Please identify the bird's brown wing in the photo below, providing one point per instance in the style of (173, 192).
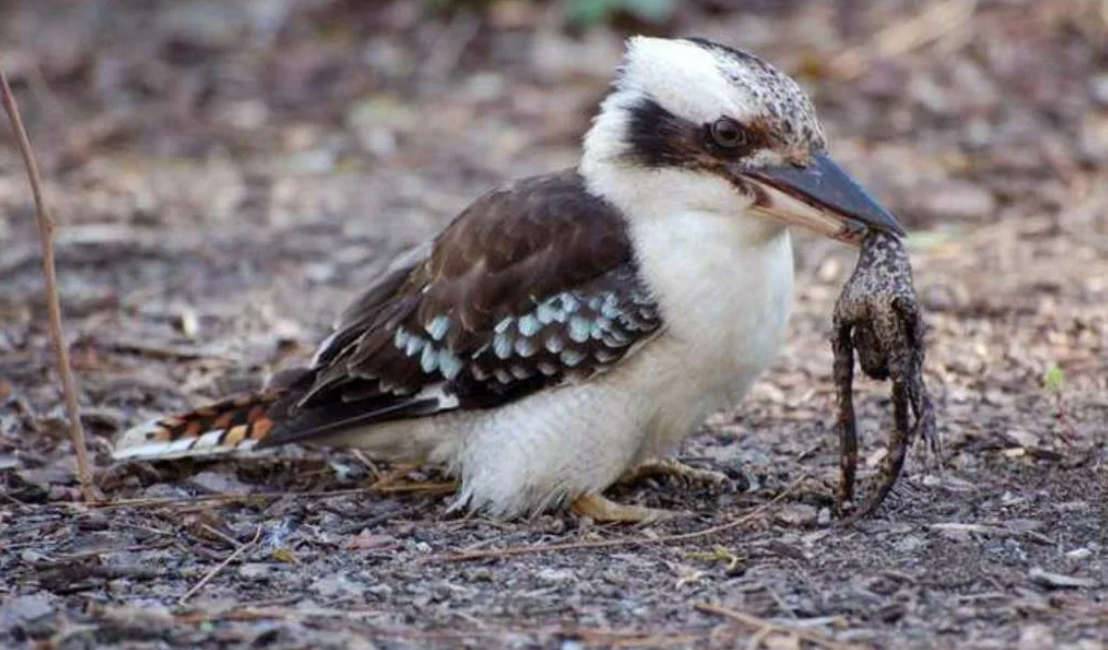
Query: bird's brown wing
(530, 287)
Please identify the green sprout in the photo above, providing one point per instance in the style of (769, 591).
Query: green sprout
(1054, 379)
(587, 13)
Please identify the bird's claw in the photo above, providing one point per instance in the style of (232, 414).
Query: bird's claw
(877, 318)
(603, 510)
(687, 474)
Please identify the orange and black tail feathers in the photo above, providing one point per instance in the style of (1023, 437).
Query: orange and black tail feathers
(234, 424)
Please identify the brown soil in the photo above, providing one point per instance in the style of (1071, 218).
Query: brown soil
(228, 175)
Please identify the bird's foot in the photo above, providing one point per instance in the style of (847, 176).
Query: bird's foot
(657, 467)
(396, 481)
(604, 510)
(391, 477)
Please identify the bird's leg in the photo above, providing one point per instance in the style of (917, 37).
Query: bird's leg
(656, 467)
(602, 509)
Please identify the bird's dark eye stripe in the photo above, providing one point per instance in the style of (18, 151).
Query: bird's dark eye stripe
(658, 138)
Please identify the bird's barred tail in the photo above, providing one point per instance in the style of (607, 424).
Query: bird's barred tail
(234, 424)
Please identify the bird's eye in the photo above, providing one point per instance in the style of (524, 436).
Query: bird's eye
(727, 133)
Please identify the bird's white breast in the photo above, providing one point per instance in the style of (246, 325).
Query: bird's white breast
(725, 287)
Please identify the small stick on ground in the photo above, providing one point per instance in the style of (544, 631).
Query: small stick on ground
(57, 334)
(765, 628)
(902, 36)
(443, 487)
(610, 543)
(219, 567)
(191, 501)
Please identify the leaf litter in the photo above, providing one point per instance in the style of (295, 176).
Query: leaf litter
(222, 192)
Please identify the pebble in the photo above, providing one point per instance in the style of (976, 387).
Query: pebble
(24, 609)
(219, 483)
(1036, 636)
(910, 544)
(1098, 84)
(254, 570)
(798, 514)
(336, 585)
(555, 575)
(1079, 554)
(382, 591)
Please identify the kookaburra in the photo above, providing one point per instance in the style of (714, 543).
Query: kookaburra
(568, 328)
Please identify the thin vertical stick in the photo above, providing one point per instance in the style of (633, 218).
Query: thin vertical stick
(57, 335)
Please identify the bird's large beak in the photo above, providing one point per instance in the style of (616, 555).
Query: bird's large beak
(821, 197)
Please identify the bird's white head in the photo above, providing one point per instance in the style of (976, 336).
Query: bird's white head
(692, 125)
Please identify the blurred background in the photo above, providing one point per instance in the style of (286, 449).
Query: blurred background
(226, 175)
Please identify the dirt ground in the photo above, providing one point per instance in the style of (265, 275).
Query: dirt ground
(228, 175)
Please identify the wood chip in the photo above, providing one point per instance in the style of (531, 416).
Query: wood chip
(1059, 581)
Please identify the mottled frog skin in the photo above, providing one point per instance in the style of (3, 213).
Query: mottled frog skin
(877, 317)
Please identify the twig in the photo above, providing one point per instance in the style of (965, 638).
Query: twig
(903, 36)
(230, 541)
(219, 567)
(449, 45)
(610, 543)
(359, 526)
(256, 613)
(154, 502)
(413, 488)
(609, 638)
(166, 352)
(57, 335)
(631, 639)
(995, 529)
(764, 628)
(14, 500)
